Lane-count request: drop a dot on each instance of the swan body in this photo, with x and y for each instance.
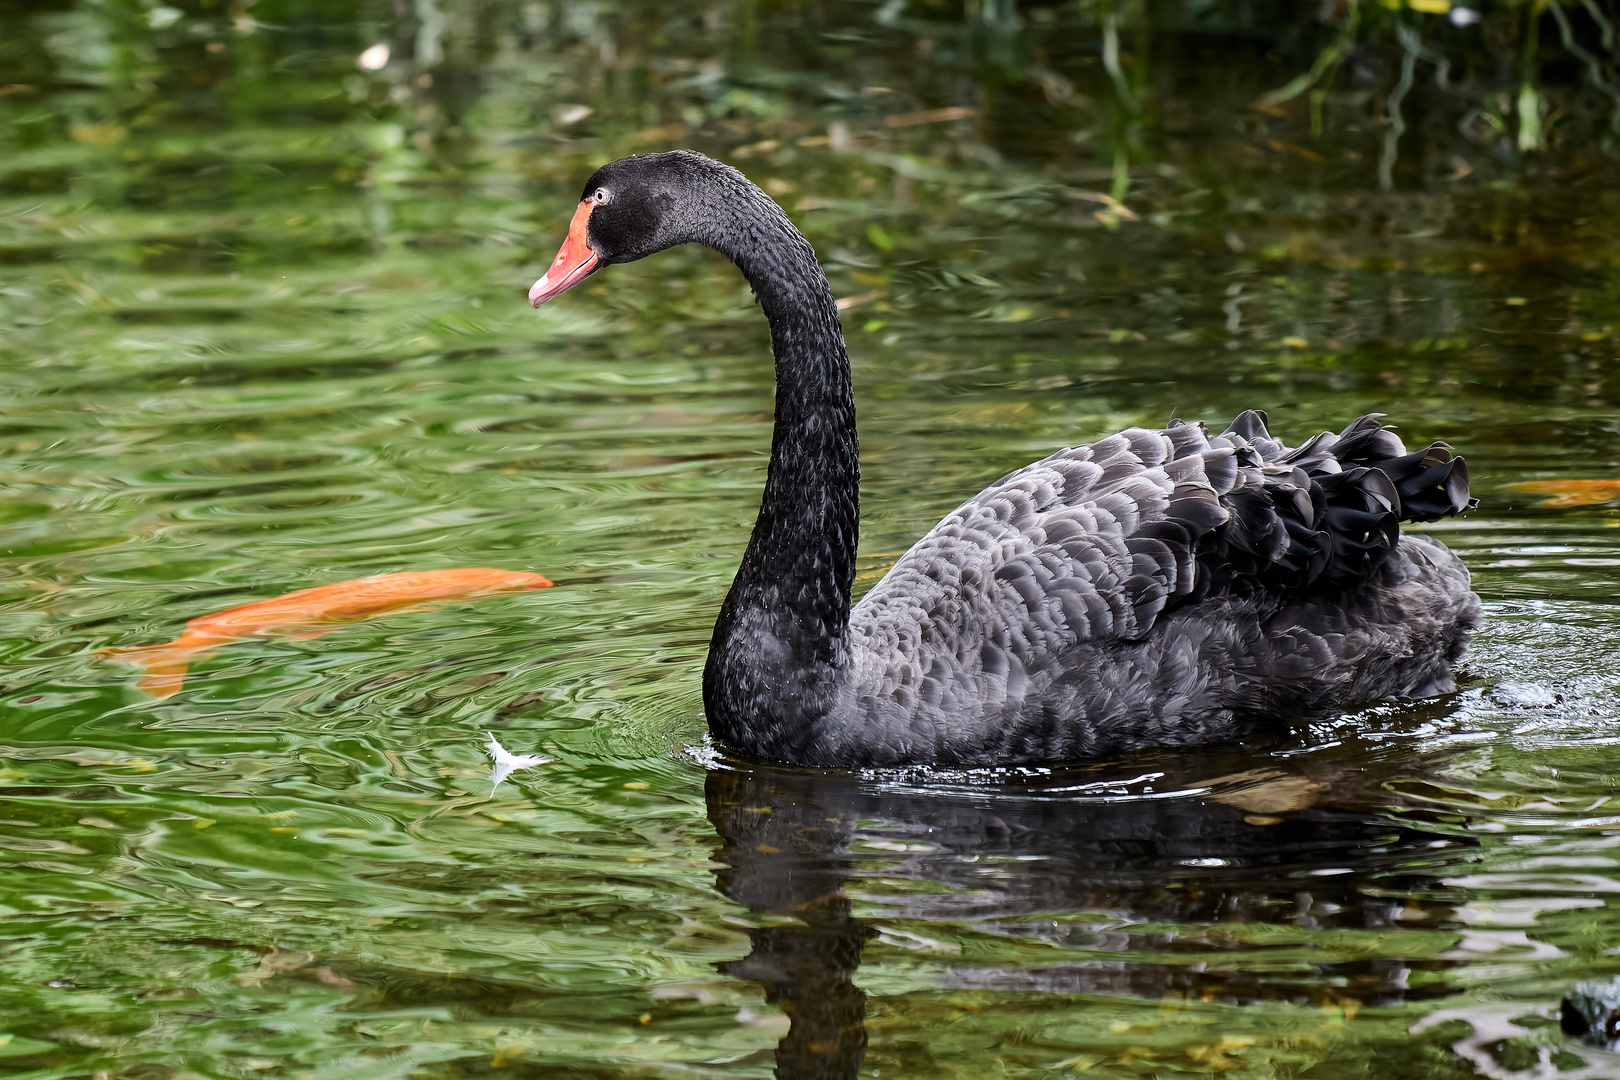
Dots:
(1091, 603)
(1154, 588)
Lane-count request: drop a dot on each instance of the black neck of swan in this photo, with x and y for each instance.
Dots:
(781, 640)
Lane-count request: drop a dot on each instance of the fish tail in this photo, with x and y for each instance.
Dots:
(166, 665)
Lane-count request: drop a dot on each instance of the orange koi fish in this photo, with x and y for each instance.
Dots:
(1565, 493)
(302, 614)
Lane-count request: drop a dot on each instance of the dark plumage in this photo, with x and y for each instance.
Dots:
(1157, 587)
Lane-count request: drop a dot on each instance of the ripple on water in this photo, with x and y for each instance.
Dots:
(239, 358)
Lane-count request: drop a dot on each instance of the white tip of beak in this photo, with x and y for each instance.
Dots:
(537, 292)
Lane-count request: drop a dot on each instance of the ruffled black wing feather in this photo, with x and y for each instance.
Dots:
(1328, 512)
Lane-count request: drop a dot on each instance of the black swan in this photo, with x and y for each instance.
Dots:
(1155, 588)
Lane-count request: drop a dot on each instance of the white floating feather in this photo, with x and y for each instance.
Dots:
(506, 762)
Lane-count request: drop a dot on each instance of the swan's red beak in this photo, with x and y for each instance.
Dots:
(573, 264)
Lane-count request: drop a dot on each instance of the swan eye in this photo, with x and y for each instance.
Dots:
(601, 196)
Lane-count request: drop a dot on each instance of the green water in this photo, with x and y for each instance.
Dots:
(262, 327)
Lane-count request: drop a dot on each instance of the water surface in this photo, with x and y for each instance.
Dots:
(262, 327)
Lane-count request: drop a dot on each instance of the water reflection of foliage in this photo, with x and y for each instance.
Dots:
(1157, 179)
(1094, 81)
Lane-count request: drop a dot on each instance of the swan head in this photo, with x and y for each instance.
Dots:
(634, 207)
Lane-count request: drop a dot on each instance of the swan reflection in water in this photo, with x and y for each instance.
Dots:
(1149, 863)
